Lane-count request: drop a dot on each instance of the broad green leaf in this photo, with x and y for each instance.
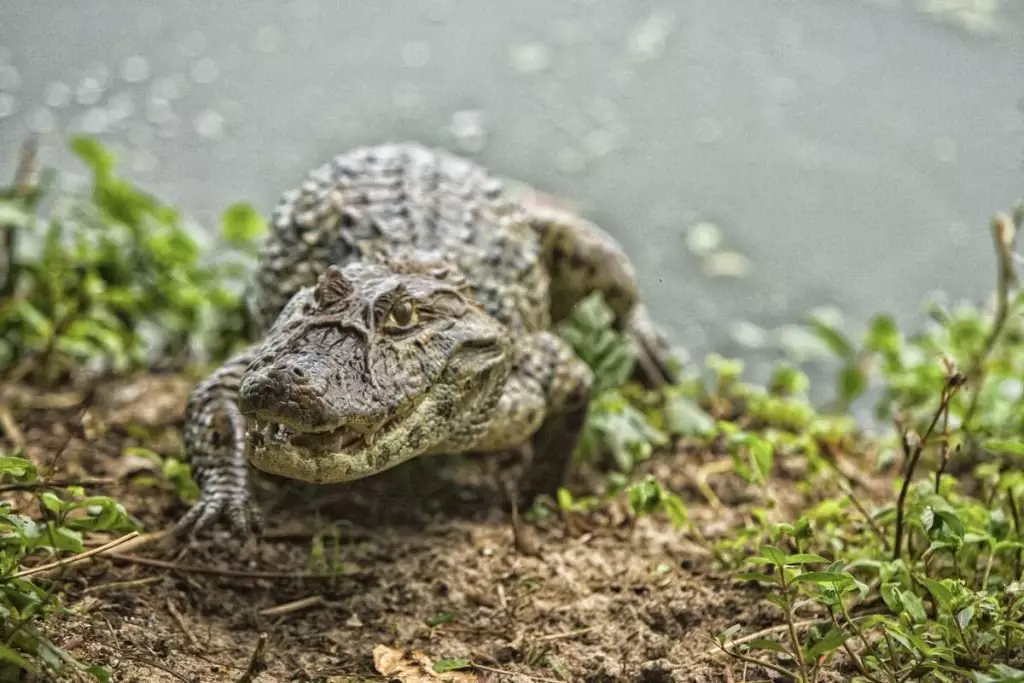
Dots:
(913, 607)
(943, 596)
(774, 554)
(17, 467)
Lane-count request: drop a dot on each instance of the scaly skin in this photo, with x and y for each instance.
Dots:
(404, 299)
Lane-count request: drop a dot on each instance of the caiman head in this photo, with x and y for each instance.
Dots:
(376, 364)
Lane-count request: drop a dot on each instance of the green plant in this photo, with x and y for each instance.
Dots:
(66, 514)
(927, 587)
(114, 279)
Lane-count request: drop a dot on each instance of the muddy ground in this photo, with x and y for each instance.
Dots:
(426, 558)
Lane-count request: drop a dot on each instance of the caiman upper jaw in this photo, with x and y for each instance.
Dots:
(322, 439)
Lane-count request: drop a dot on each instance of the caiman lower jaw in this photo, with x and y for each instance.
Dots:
(337, 440)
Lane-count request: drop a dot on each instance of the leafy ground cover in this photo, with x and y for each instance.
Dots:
(716, 531)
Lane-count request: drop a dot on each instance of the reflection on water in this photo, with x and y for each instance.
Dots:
(757, 159)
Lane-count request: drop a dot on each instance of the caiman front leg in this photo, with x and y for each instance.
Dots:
(544, 404)
(215, 447)
(582, 259)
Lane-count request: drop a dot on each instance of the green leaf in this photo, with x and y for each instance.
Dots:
(852, 382)
(442, 665)
(964, 616)
(683, 417)
(763, 454)
(914, 607)
(241, 224)
(883, 335)
(17, 467)
(943, 596)
(840, 578)
(93, 154)
(776, 556)
(440, 618)
(1011, 446)
(755, 576)
(831, 641)
(834, 339)
(99, 673)
(766, 644)
(11, 656)
(805, 558)
(729, 632)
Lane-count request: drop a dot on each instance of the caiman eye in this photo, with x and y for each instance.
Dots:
(402, 314)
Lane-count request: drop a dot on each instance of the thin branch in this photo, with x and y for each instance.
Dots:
(81, 557)
(912, 449)
(214, 571)
(56, 484)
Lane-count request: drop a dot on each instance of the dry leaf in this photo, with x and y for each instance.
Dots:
(413, 666)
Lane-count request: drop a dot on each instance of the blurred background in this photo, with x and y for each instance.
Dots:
(758, 159)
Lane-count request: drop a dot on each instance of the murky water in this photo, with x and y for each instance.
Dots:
(757, 158)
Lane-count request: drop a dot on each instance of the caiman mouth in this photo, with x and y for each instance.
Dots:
(325, 440)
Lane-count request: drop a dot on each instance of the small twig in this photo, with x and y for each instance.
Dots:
(505, 672)
(566, 634)
(81, 557)
(117, 585)
(293, 606)
(180, 621)
(156, 665)
(256, 663)
(56, 484)
(10, 427)
(214, 571)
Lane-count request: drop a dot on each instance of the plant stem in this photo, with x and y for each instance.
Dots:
(794, 641)
(913, 454)
(1004, 235)
(1015, 513)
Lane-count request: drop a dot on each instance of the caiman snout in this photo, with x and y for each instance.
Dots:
(283, 394)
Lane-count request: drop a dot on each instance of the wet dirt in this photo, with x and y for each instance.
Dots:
(423, 558)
